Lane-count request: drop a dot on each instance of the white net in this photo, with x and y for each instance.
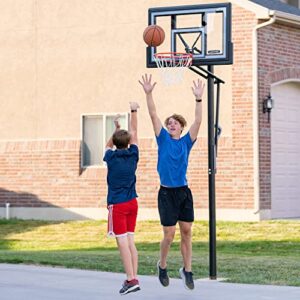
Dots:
(173, 65)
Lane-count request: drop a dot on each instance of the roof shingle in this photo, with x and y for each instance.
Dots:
(278, 5)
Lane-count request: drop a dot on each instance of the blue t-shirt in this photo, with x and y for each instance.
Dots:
(173, 158)
(121, 179)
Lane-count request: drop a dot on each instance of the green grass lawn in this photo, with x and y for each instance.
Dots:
(266, 252)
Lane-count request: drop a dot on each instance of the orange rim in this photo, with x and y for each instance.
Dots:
(173, 54)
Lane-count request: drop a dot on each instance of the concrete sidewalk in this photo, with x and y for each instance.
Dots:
(23, 282)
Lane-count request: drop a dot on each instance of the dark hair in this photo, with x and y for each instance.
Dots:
(178, 118)
(121, 139)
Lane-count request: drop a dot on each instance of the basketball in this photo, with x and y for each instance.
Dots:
(154, 35)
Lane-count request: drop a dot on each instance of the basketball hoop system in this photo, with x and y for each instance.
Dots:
(172, 65)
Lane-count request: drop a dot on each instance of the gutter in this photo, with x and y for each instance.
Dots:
(256, 114)
(285, 18)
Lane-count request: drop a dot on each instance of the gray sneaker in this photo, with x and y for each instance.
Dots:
(187, 279)
(130, 287)
(162, 275)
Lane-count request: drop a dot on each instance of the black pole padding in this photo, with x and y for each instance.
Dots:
(211, 175)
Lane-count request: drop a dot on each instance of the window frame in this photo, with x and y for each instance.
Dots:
(104, 116)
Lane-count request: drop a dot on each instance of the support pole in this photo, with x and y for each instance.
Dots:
(211, 176)
(212, 125)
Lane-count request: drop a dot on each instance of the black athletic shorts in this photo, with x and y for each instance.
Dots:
(175, 204)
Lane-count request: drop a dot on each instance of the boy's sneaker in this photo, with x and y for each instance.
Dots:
(187, 278)
(162, 275)
(130, 286)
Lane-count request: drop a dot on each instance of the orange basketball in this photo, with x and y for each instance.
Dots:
(154, 35)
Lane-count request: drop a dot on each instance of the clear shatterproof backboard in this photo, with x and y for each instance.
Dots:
(202, 30)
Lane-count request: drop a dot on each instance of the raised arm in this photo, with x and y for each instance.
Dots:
(133, 122)
(110, 144)
(148, 88)
(198, 90)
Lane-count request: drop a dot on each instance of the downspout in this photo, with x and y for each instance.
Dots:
(256, 113)
(7, 212)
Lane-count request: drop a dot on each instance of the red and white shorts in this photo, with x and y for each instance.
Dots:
(122, 218)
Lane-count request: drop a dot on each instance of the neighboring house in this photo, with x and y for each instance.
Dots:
(68, 67)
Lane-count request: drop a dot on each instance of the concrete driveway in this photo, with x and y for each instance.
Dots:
(25, 282)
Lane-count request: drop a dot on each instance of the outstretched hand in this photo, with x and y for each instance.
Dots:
(116, 122)
(134, 105)
(146, 84)
(198, 89)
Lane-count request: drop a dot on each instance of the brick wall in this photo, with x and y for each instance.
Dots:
(240, 156)
(47, 173)
(278, 59)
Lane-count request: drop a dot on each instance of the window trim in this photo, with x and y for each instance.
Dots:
(104, 118)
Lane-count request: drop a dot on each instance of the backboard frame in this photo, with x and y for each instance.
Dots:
(202, 57)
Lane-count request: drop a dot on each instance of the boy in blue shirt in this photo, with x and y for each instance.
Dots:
(121, 198)
(175, 200)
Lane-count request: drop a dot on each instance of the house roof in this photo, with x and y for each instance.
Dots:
(278, 6)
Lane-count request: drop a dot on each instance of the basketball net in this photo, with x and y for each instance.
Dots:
(173, 65)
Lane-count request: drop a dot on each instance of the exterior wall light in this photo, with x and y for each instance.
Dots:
(268, 104)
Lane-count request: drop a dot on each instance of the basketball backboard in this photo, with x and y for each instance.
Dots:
(202, 30)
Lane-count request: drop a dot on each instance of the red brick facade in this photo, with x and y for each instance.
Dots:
(47, 173)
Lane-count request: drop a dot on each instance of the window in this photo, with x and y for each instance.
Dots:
(96, 130)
